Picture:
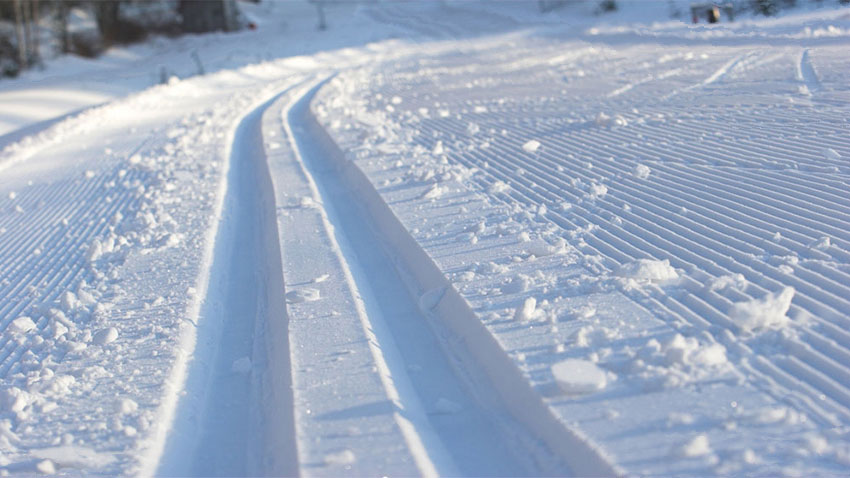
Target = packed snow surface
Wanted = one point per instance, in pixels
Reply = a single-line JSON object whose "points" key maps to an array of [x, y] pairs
{"points": [[440, 238]]}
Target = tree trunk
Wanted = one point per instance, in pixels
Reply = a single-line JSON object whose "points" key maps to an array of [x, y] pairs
{"points": [[62, 26], [106, 12], [27, 6], [36, 53], [19, 35]]}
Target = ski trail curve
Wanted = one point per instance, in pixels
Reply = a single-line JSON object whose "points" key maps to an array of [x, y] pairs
{"points": [[223, 426]]}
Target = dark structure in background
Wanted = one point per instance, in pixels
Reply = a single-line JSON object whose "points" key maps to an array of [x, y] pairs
{"points": [[200, 16]]}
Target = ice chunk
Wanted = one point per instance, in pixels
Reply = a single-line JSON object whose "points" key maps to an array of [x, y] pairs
{"points": [[767, 312], [576, 376]]}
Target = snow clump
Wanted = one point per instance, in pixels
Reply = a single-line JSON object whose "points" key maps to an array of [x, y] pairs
{"points": [[696, 446], [767, 312], [576, 376], [531, 146], [526, 311], [641, 171], [648, 270], [21, 325]]}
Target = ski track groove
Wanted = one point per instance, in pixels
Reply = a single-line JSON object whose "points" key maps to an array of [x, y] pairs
{"points": [[49, 271], [725, 232]]}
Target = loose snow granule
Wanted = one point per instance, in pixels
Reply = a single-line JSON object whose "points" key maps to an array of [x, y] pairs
{"points": [[531, 146], [13, 195], [767, 312], [527, 310], [342, 457], [105, 336], [641, 171], [697, 446], [579, 376], [21, 325], [396, 100], [321, 278]]}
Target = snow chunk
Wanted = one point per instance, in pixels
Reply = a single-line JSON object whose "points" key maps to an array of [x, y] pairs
{"points": [[303, 295], [696, 446], [531, 146], [650, 270], [126, 406], [342, 457], [21, 325], [641, 171], [105, 336], [526, 311], [831, 154], [766, 312], [433, 192], [46, 467], [498, 187], [579, 376], [431, 298], [438, 149], [730, 281], [74, 456], [597, 191], [687, 351]]}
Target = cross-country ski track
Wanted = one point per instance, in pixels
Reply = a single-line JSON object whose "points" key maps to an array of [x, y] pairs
{"points": [[601, 251]]}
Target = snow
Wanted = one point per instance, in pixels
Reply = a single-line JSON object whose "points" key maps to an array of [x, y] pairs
{"points": [[579, 376], [441, 238], [766, 312]]}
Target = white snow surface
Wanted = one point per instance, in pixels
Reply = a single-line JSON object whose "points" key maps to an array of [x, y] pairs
{"points": [[440, 238]]}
